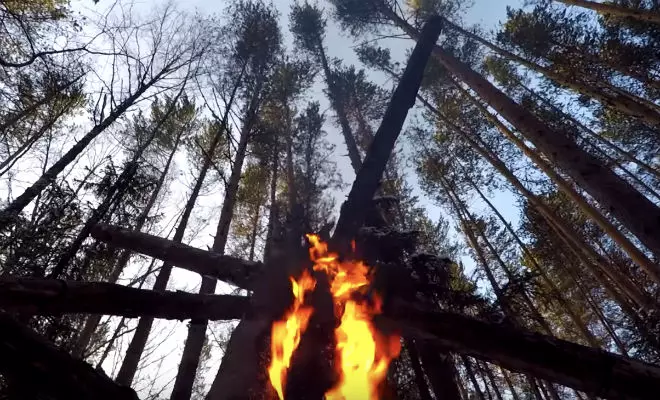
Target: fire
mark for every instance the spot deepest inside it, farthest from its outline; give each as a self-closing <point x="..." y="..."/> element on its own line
<point x="363" y="354"/>
<point x="285" y="335"/>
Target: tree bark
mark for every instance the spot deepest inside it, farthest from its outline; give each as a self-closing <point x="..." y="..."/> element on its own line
<point x="339" y="107"/>
<point x="582" y="368"/>
<point x="10" y="212"/>
<point x="473" y="379"/>
<point x="420" y="378"/>
<point x="366" y="182"/>
<point x="630" y="207"/>
<point x="29" y="361"/>
<point x="599" y="267"/>
<point x="652" y="269"/>
<point x="616" y="11"/>
<point x="197" y="328"/>
<point x="136" y="347"/>
<point x="226" y="268"/>
<point x="55" y="297"/>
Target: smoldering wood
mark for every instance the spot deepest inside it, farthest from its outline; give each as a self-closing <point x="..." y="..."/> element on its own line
<point x="586" y="369"/>
<point x="56" y="297"/>
<point x="31" y="363"/>
<point x="207" y="263"/>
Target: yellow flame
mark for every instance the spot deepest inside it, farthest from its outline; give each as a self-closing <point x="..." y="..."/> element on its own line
<point x="363" y="354"/>
<point x="286" y="334"/>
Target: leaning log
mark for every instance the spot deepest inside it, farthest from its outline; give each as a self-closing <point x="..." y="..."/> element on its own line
<point x="56" y="297"/>
<point x="586" y="369"/>
<point x="368" y="178"/>
<point x="225" y="268"/>
<point x="36" y="367"/>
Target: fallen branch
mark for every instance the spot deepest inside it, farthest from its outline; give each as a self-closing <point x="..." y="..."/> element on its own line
<point x="55" y="297"/>
<point x="225" y="268"/>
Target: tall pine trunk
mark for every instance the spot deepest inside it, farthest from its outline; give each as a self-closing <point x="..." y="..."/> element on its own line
<point x="136" y="347"/>
<point x="651" y="268"/>
<point x="629" y="206"/>
<point x="197" y="329"/>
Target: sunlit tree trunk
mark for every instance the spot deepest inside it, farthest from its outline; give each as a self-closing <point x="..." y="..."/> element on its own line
<point x="616" y="11"/>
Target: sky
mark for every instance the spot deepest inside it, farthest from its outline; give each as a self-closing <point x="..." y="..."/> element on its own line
<point x="488" y="13"/>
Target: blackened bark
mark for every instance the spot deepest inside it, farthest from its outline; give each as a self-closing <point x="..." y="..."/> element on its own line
<point x="56" y="297"/>
<point x="28" y="360"/>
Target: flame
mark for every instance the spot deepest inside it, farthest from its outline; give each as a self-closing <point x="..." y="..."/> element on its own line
<point x="363" y="354"/>
<point x="285" y="334"/>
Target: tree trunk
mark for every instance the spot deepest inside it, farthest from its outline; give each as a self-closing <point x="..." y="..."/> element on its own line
<point x="10" y="212"/>
<point x="599" y="267"/>
<point x="28" y="360"/>
<point x="55" y="297"/>
<point x="633" y="209"/>
<point x="273" y="215"/>
<point x="339" y="107"/>
<point x="367" y="180"/>
<point x="197" y="328"/>
<point x="582" y="368"/>
<point x="440" y="371"/>
<point x="620" y="100"/>
<point x="470" y="373"/>
<point x="136" y="347"/>
<point x="420" y="379"/>
<point x="586" y="333"/>
<point x="512" y="389"/>
<point x="651" y="268"/>
<point x="616" y="11"/>
<point x="120" y="185"/>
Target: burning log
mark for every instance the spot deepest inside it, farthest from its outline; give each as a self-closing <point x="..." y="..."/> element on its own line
<point x="225" y="268"/>
<point x="54" y="297"/>
<point x="30" y="362"/>
<point x="586" y="369"/>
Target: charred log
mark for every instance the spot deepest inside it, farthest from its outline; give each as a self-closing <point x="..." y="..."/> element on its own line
<point x="55" y="297"/>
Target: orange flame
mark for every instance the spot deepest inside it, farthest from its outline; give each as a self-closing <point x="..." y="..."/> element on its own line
<point x="285" y="335"/>
<point x="363" y="353"/>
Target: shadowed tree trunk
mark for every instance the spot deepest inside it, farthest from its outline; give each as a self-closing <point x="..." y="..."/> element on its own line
<point x="36" y="366"/>
<point x="615" y="11"/>
<point x="55" y="297"/>
<point x="420" y="379"/>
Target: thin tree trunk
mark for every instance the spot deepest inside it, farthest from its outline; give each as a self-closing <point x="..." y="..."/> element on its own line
<point x="92" y="322"/>
<point x="624" y="102"/>
<point x="600" y="268"/>
<point x="273" y="215"/>
<point x="626" y="155"/>
<point x="634" y="210"/>
<point x="586" y="333"/>
<point x="470" y="373"/>
<point x="651" y="268"/>
<point x="339" y="107"/>
<point x="616" y="11"/>
<point x="420" y="378"/>
<point x="136" y="347"/>
<point x="10" y="212"/>
<point x="197" y="328"/>
<point x="512" y="389"/>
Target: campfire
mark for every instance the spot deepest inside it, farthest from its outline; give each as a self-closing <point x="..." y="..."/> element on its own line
<point x="363" y="354"/>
